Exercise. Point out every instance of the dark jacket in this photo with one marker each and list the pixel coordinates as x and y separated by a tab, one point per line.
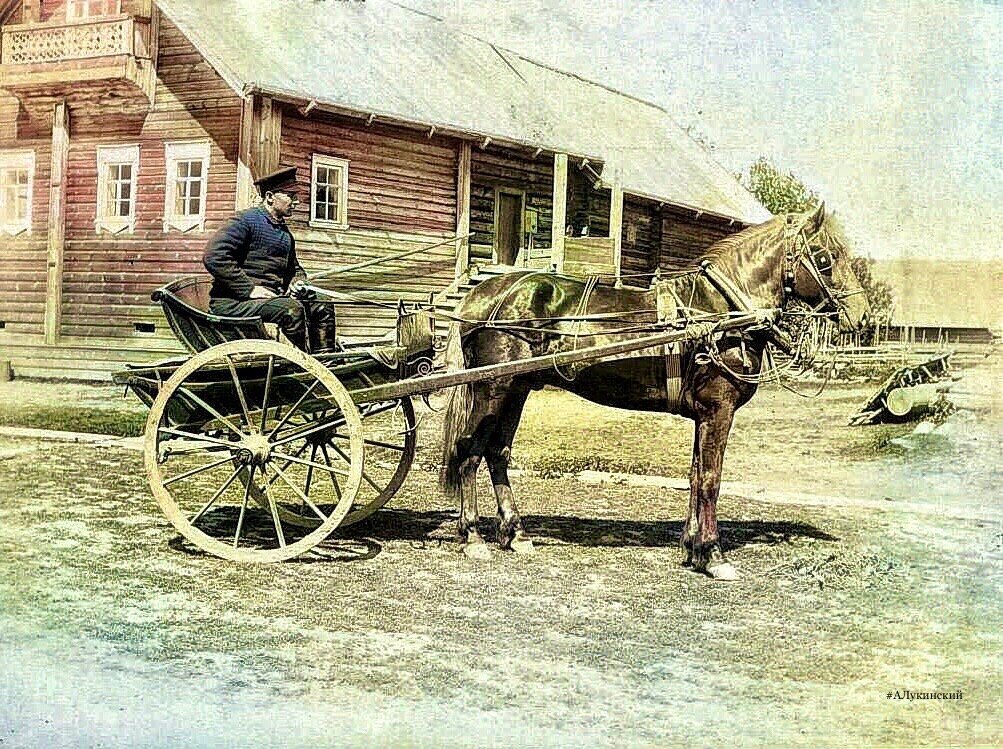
251	250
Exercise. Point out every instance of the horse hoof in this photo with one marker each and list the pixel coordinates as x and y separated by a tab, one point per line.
522	544
725	571
477	550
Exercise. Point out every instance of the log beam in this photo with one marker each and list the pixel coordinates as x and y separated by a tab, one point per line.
463	208
560	207
245	178
57	222
269	137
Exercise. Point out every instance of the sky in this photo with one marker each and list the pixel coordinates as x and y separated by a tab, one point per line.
891	111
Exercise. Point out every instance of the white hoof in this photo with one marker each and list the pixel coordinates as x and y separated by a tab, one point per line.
523	545
725	571
477	550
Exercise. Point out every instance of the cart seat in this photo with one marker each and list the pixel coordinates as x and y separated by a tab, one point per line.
186	306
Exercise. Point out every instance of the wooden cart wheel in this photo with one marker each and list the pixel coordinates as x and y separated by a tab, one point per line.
390	437
235	446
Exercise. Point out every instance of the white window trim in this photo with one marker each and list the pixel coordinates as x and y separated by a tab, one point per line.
20	160
321	160
173	153
106	156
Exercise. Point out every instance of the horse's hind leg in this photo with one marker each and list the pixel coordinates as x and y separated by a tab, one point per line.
511	534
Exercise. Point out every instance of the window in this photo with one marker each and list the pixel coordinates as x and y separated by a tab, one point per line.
80	9
17	171
329	193
118	169
187	175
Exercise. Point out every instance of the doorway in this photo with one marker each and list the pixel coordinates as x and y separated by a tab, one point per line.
509	210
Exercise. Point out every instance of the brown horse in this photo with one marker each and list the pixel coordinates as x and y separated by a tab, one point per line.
523	314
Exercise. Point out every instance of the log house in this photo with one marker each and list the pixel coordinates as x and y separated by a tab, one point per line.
130	130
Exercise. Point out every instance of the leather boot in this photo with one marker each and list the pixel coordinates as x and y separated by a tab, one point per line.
322	330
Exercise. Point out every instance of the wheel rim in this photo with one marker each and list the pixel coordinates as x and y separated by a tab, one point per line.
229	459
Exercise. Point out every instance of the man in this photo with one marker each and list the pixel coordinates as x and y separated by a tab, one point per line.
255	273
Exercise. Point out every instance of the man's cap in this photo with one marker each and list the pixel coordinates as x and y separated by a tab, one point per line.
283	180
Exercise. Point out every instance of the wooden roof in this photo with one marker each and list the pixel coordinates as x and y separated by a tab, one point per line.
381	58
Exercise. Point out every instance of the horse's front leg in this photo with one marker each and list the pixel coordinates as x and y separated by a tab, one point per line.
712	429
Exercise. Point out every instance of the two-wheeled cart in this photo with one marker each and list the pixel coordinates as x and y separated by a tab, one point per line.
257	451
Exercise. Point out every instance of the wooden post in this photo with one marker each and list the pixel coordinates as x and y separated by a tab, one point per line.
269	137
57	222
560	206
245	179
463	209
616	223
31	11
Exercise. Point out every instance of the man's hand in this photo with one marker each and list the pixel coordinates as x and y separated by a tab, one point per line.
301	290
260	292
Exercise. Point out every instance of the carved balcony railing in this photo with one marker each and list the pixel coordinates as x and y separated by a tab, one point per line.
78	59
41	43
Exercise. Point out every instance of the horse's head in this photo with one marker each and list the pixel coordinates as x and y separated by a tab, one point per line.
817	269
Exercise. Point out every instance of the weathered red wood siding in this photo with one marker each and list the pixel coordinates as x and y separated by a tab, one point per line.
685	238
108	278
490	169
23	258
397	180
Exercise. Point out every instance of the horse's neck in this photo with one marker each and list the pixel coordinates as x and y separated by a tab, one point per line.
756	268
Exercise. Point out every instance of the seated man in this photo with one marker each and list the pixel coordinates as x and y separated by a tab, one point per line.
255	273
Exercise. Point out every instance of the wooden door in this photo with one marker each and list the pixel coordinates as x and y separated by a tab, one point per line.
508	226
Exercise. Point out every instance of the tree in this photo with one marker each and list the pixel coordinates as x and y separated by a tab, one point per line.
783	192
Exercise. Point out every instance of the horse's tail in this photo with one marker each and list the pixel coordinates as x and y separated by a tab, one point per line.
458	408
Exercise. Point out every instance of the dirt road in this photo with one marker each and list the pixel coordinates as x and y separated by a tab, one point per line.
113	634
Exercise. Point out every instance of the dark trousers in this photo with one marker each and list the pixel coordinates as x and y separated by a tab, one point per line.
308	325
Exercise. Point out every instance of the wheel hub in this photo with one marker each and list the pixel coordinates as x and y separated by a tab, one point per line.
256	448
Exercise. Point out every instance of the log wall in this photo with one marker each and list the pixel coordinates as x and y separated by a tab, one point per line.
685	238
397	180
23	258
642	236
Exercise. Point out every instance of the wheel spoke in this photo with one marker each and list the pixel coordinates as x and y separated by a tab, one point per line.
377	443
289	462
205	508
194	471
243	506
304	461
240	392
334	477
304	497
365	475
268	386
304	433
200	437
275	514
309	471
212	411
295	407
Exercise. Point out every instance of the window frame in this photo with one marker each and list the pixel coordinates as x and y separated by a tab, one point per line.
174	153
80	10
21	159
331	162
108	156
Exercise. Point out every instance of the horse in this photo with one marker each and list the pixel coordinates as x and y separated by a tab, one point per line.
789	259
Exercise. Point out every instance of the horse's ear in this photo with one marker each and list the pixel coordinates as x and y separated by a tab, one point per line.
815	218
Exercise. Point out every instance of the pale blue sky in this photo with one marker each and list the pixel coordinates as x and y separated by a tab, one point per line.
890	110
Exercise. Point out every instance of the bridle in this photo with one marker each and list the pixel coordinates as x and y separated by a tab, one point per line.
818	262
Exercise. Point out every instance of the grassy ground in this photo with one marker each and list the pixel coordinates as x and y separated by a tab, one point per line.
115	633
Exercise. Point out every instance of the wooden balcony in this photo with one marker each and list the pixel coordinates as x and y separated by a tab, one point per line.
585	256
78	60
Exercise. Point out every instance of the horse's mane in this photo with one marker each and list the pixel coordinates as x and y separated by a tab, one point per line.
732	242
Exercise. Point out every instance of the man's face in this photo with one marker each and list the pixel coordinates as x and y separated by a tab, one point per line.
282	203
